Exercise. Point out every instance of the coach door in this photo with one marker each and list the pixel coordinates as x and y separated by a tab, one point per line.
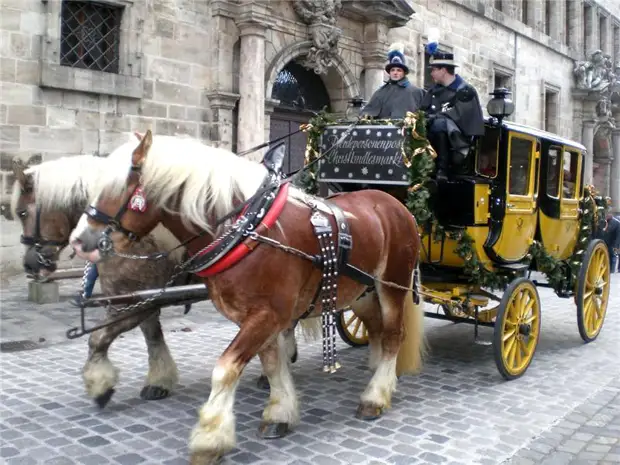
519	223
300	92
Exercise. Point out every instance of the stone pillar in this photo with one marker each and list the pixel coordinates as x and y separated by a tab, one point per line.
222	105
614	186
375	57
591	39
251	121
588	141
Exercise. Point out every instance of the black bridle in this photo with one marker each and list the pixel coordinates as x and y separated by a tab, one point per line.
37	242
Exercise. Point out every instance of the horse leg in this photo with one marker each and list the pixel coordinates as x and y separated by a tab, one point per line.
99	374
368	309
290	344
282	411
163	374
214	434
399	315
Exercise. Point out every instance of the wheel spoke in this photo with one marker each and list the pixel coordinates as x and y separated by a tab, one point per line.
508	335
357	327
348	322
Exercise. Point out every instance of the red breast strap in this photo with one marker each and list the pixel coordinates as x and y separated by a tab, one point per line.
241	250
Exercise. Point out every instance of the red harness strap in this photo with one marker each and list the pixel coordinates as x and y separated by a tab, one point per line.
241	250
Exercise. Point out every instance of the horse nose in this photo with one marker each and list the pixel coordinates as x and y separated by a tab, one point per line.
31	261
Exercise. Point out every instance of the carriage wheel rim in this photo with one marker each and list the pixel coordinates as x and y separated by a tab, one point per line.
520	329
596	291
355	328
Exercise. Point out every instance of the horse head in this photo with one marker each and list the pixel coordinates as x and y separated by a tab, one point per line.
42	232
48	199
177	181
120	214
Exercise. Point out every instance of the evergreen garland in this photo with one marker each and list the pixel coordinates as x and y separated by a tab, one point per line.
418	157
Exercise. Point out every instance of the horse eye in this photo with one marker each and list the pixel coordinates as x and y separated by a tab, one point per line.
22	213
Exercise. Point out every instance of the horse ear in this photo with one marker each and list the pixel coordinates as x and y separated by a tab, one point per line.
138	135
19	169
142	150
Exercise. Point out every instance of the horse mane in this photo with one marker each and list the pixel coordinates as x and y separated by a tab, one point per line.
184	176
63	183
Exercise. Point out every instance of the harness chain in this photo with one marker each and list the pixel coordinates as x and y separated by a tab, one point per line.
323	231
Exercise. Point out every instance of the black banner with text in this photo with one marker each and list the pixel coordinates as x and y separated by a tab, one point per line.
369	155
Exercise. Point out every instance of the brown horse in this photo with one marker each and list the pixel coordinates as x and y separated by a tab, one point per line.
49	199
186	186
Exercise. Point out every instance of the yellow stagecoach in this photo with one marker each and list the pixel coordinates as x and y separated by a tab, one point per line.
515	203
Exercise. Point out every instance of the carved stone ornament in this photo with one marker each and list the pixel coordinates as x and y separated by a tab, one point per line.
321	16
601	80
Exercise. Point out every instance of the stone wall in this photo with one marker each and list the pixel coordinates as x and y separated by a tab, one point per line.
165	42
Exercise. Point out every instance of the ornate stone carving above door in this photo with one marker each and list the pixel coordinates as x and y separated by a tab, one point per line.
320	16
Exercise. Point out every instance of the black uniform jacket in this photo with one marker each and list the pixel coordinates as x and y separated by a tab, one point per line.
459	102
394	99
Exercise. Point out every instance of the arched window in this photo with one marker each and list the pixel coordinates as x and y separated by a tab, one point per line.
299	89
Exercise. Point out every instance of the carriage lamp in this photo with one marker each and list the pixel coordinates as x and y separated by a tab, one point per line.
500	106
354	108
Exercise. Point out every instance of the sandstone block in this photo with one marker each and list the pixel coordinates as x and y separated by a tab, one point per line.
43	293
166	92
27	72
7	69
26	115
10	19
60	117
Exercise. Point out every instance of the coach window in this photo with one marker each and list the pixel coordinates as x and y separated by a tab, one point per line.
571	170
521	154
486	164
553	172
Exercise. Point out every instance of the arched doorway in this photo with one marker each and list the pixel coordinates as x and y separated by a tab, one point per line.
299	91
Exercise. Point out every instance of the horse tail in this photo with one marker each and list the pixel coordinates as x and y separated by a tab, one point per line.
413	346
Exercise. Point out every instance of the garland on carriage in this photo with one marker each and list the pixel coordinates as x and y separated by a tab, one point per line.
419	158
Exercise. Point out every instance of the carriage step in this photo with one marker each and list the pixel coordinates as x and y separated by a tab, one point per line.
515	266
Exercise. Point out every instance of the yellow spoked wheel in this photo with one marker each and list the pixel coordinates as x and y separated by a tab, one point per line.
352	329
593	290
517	328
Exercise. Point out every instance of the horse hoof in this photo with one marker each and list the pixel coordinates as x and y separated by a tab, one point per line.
294	357
104	398
368	412
262	382
153	393
273	430
204	458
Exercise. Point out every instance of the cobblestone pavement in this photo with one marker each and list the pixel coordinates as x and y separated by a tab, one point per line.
458	411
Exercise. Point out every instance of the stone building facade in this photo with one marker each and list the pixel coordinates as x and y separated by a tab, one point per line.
76	75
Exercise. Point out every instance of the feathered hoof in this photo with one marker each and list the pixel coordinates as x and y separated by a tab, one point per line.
268	430
263	382
104	398
368	412
153	393
204	458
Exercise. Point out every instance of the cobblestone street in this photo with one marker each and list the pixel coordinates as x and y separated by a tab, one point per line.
564	410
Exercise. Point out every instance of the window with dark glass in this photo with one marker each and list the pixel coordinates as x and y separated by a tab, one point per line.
521	151
486	163
90	35
299	89
569	179
553	171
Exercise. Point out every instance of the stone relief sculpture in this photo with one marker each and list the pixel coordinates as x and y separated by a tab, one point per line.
321	16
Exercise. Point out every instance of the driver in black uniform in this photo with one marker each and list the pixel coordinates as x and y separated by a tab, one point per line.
453	111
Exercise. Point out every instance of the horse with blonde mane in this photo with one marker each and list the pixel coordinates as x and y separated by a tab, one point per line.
266	253
48	199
